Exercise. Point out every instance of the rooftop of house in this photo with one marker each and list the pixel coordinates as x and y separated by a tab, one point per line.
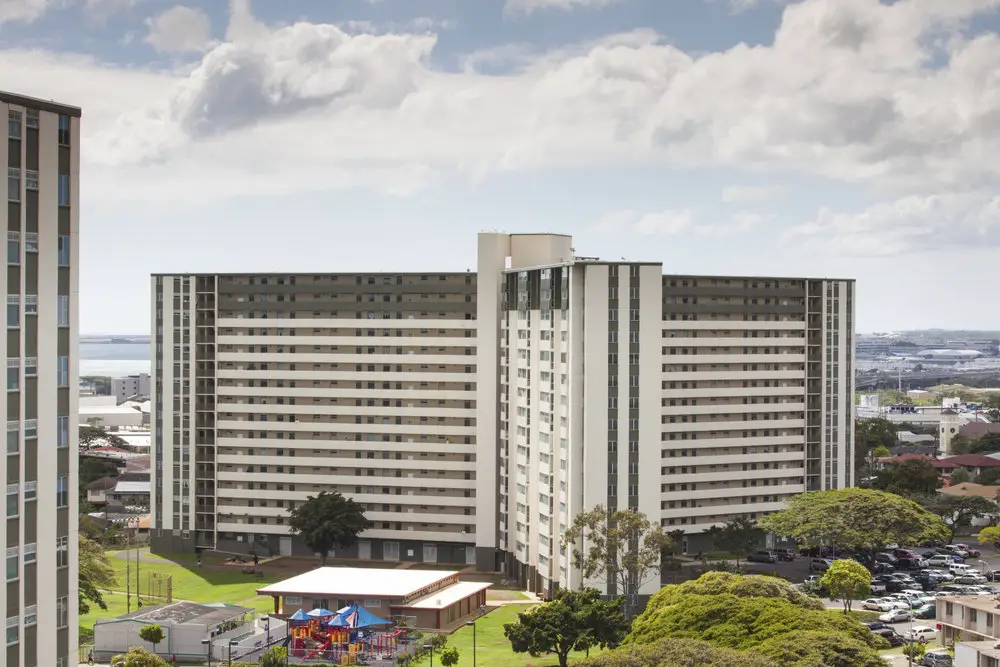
357	582
183	613
975	430
971	489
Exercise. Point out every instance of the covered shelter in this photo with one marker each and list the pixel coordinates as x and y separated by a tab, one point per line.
430	599
185	625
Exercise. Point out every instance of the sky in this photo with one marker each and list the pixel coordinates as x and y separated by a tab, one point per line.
821	138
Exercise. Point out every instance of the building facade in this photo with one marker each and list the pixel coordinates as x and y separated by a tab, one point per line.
41	217
269	389
124	388
551	384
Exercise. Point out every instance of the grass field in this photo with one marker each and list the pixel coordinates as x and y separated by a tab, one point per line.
492	648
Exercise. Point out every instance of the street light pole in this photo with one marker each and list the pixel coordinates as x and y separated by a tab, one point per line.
231	644
208	642
473	624
430	647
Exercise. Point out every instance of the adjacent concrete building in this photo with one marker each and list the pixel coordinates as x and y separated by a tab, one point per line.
475	414
41	217
124	388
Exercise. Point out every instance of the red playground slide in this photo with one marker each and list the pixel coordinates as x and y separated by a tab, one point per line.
322	648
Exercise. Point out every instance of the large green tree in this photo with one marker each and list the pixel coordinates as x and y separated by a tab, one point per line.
988	444
138	657
747	613
870	434
909	477
678	653
96	575
864	519
328	520
957	512
575	620
816	648
738	536
622	548
153	634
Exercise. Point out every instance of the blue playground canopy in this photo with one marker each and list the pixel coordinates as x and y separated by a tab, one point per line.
299	616
320	613
355	617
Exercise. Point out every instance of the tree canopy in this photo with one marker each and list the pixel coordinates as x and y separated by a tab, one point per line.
749	613
328	520
96	575
852	518
959	511
847	580
738	536
138	657
575	620
678	653
816	648
622	548
960	476
153	634
989	535
913	476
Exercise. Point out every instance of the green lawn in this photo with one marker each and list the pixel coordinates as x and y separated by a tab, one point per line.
502	595
492	648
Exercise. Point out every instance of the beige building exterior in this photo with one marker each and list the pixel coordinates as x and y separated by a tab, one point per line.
41	217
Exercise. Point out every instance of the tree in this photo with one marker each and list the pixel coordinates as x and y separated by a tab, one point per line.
449	657
273	657
847	580
751	613
881	452
989	535
153	634
909	477
622	548
328	520
673	652
915	650
987	444
739	536
960	476
863	519
575	620
989	477
959	511
809	648
95	574
138	657
868	435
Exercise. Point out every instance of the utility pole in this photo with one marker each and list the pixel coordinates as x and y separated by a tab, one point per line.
128	573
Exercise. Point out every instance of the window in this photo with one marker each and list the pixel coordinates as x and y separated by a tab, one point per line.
30	491
63	310
63	250
13	374
30	615
14	124
30	180
12	630
63	376
13	184
30	366
62	612
12	500
32	119
62	431
62	552
13	437
62	491
30	304
30	428
13	247
12	565
30	553
13	311
64	189
64	130
31	242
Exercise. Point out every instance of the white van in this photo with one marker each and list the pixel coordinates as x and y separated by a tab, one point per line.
959	569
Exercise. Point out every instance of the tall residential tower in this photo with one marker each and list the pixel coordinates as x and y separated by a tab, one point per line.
476	414
42	154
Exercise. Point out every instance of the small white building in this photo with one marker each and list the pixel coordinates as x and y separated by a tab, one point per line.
124	388
977	654
105	411
185	625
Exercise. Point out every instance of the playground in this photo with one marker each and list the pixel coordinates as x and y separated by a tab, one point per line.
351	636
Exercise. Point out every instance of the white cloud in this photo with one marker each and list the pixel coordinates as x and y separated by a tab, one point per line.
853	90
752	194
179	29
529	6
676	221
23	11
665	223
907	225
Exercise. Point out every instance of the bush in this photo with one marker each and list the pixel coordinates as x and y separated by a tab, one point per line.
138	657
678	653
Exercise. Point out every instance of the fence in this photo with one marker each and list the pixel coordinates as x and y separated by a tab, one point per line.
250	640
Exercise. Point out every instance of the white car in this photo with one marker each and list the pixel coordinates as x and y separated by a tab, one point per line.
940	560
971	578
896	616
874	604
920	633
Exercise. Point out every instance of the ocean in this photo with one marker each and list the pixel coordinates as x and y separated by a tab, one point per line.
114	359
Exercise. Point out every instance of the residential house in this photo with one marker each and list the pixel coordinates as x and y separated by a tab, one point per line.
97	491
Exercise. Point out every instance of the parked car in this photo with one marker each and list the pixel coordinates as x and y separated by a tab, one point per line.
820	564
886	558
890	636
971	550
941	560
785	554
874	625
920	633
762	557
927	611
875	604
971	578
896	616
958	569
955	549
937	659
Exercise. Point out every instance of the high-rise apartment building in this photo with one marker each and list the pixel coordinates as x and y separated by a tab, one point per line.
42	222
476	414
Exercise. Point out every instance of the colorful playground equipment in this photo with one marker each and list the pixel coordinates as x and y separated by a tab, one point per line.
347	637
